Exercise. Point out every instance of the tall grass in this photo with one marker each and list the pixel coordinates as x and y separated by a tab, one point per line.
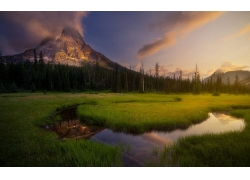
140	113
23	143
210	150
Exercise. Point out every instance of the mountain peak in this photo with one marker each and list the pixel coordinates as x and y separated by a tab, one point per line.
69	33
46	40
242	74
69	49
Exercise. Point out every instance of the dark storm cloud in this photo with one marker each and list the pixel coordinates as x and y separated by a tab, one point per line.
23	30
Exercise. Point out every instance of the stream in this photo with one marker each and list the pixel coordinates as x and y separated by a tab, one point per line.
140	147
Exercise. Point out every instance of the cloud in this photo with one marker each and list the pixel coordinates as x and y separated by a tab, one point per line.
210	71
242	32
23	30
137	66
152	48
179	24
165	71
229	66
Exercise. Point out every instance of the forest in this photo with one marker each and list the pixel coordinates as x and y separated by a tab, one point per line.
40	76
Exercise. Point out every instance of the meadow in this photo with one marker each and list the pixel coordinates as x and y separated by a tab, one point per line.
25	143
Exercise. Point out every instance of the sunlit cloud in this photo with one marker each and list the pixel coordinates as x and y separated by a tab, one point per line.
168	40
210	71
168	71
229	66
165	71
137	66
242	32
35	26
177	26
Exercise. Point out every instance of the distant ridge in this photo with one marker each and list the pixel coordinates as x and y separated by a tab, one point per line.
244	76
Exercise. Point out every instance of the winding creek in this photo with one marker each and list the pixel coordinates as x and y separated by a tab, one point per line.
140	147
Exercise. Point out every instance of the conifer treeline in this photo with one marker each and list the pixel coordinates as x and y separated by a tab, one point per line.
33	76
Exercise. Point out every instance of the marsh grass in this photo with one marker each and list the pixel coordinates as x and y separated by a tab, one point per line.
225	149
230	149
24	143
141	113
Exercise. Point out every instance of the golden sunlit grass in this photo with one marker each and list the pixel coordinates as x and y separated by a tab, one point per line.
24	143
140	113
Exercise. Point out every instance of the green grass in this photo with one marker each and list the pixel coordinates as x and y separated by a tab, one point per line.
229	149
140	113
24	143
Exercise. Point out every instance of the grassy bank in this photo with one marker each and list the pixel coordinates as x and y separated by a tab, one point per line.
229	149
140	113
225	149
24	143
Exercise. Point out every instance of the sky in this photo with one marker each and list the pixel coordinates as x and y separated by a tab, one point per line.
176	40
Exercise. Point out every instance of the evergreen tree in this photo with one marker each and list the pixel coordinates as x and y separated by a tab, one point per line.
118	85
41	64
13	87
67	84
126	82
97	75
58	77
1	56
2	88
157	70
228	85
130	79
35	61
3	73
141	85
41	60
116	80
35	56
236	84
196	81
33	88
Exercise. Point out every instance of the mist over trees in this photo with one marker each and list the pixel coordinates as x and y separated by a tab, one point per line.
39	76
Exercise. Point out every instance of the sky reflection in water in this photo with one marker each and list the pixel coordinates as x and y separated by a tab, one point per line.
141	145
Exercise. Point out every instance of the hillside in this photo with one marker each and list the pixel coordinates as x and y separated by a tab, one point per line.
244	76
70	48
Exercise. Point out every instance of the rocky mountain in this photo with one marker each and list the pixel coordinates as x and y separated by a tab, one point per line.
244	76
70	48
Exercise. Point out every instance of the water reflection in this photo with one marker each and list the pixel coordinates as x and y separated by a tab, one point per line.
156	139
70	126
141	145
225	119
216	123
